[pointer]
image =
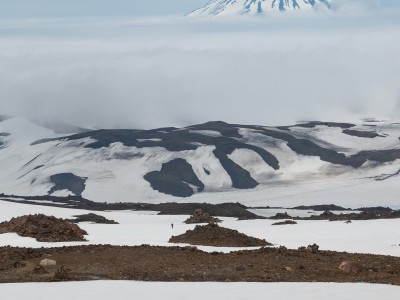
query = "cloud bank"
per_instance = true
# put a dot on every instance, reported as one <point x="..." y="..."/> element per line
<point x="153" y="72"/>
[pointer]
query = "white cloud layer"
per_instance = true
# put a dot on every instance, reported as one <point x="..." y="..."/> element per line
<point x="159" y="72"/>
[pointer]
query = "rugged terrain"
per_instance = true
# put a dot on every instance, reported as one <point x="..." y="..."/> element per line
<point x="189" y="264"/>
<point x="198" y="161"/>
<point x="216" y="236"/>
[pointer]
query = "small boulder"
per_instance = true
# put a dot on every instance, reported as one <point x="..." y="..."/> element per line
<point x="350" y="267"/>
<point x="47" y="262"/>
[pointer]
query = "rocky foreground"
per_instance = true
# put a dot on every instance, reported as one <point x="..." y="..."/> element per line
<point x="190" y="264"/>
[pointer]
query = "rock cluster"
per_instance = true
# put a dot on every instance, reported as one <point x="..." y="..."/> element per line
<point x="201" y="217"/>
<point x="214" y="235"/>
<point x="44" y="228"/>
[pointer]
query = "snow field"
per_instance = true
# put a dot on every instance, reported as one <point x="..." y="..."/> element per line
<point x="127" y="290"/>
<point x="137" y="228"/>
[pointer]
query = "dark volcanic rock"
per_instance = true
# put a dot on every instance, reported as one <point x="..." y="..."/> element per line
<point x="364" y="215"/>
<point x="362" y="134"/>
<point x="91" y="218"/>
<point x="310" y="148"/>
<point x="313" y="124"/>
<point x="213" y="235"/>
<point x="234" y="210"/>
<point x="44" y="228"/>
<point x="174" y="179"/>
<point x="231" y="139"/>
<point x="68" y="181"/>
<point x="324" y="207"/>
<point x="287" y="222"/>
<point x="376" y="209"/>
<point x="280" y="216"/>
<point x="176" y="140"/>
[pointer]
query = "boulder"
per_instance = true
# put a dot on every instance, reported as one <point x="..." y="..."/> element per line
<point x="350" y="267"/>
<point x="47" y="262"/>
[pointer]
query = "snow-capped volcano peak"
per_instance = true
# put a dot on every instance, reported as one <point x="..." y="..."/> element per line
<point x="226" y="7"/>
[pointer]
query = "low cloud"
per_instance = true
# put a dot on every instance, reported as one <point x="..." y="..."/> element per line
<point x="178" y="71"/>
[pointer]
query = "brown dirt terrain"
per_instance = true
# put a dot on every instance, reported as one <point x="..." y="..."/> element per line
<point x="44" y="228"/>
<point x="213" y="235"/>
<point x="189" y="264"/>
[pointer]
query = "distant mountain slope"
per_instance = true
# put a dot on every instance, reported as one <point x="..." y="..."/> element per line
<point x="142" y="165"/>
<point x="226" y="7"/>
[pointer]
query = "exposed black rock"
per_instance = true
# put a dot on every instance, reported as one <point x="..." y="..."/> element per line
<point x="241" y="178"/>
<point x="313" y="124"/>
<point x="234" y="210"/>
<point x="91" y="218"/>
<point x="68" y="181"/>
<point x="185" y="139"/>
<point x="287" y="222"/>
<point x="376" y="209"/>
<point x="323" y="207"/>
<point x="280" y="216"/>
<point x="174" y="179"/>
<point x="224" y="128"/>
<point x="362" y="134"/>
<point x="309" y="148"/>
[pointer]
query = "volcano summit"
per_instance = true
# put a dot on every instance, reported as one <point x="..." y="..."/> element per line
<point x="252" y="7"/>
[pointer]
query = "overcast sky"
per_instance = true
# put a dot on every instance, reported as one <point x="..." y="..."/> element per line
<point x="74" y="8"/>
<point x="115" y="66"/>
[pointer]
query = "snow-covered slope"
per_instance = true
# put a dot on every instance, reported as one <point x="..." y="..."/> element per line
<point x="227" y="7"/>
<point x="209" y="162"/>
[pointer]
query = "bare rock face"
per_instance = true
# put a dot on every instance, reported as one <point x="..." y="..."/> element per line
<point x="201" y="217"/>
<point x="44" y="228"/>
<point x="350" y="267"/>
<point x="213" y="235"/>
